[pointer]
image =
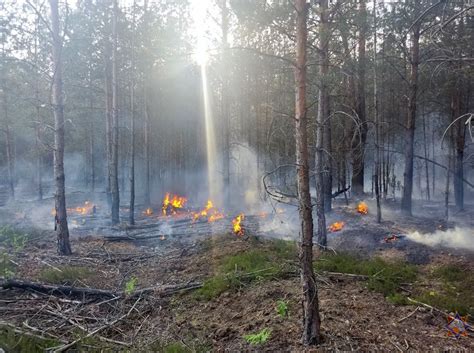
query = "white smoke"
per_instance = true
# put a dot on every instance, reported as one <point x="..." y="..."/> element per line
<point x="458" y="238"/>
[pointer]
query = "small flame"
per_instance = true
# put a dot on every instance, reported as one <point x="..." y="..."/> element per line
<point x="337" y="226"/>
<point x="148" y="211"/>
<point x="209" y="212"/>
<point x="362" y="208"/>
<point x="236" y="225"/>
<point x="87" y="208"/>
<point x="172" y="202"/>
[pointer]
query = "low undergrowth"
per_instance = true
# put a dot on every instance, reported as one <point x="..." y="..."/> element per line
<point x="382" y="276"/>
<point x="453" y="290"/>
<point x="270" y="260"/>
<point x="65" y="275"/>
<point x="13" y="342"/>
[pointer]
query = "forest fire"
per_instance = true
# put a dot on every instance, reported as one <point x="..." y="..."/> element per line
<point x="148" y="211"/>
<point x="171" y="203"/>
<point x="87" y="208"/>
<point x="237" y="226"/>
<point x="209" y="212"/>
<point x="336" y="226"/>
<point x="362" y="208"/>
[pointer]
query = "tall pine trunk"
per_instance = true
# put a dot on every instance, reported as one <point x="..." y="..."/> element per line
<point x="376" y="123"/>
<point x="311" y="320"/>
<point x="225" y="104"/>
<point x="114" y="184"/>
<point x="131" y="217"/>
<point x="61" y="226"/>
<point x="411" y="119"/>
<point x="323" y="132"/>
<point x="358" y="165"/>
<point x="323" y="108"/>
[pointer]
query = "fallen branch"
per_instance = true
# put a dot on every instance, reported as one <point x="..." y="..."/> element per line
<point x="161" y="291"/>
<point x="27" y="333"/>
<point x="97" y="330"/>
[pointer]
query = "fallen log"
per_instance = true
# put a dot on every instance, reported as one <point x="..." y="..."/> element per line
<point x="162" y="291"/>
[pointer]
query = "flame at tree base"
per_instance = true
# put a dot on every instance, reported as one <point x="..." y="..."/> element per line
<point x="237" y="226"/>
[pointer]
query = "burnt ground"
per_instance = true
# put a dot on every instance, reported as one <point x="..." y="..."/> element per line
<point x="353" y="316"/>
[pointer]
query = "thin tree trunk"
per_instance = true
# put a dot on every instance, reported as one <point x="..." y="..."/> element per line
<point x="39" y="172"/>
<point x="61" y="226"/>
<point x="311" y="320"/>
<point x="376" y="122"/>
<point x="225" y="103"/>
<point x="108" y="119"/>
<point x="323" y="108"/>
<point x="146" y="154"/>
<point x="323" y="113"/>
<point x="428" y="195"/>
<point x="114" y="185"/>
<point x="358" y="165"/>
<point x="131" y="217"/>
<point x="91" y="136"/>
<point x="410" y="126"/>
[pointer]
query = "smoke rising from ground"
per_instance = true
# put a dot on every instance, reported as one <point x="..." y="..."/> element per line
<point x="459" y="238"/>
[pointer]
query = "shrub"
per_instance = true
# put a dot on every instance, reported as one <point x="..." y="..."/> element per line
<point x="259" y="337"/>
<point x="67" y="275"/>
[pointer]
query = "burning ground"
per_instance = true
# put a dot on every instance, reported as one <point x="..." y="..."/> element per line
<point x="190" y="281"/>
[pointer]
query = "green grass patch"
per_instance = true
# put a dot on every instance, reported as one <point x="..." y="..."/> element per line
<point x="13" y="238"/>
<point x="259" y="337"/>
<point x="178" y="347"/>
<point x="14" y="342"/>
<point x="454" y="293"/>
<point x="68" y="275"/>
<point x="282" y="308"/>
<point x="383" y="276"/>
<point x="7" y="268"/>
<point x="268" y="261"/>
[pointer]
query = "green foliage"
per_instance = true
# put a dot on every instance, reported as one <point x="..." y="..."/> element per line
<point x="259" y="337"/>
<point x="398" y="299"/>
<point x="450" y="273"/>
<point x="213" y="287"/>
<point x="7" y="268"/>
<point x="455" y="293"/>
<point x="67" y="275"/>
<point x="14" y="342"/>
<point x="267" y="262"/>
<point x="178" y="347"/>
<point x="13" y="238"/>
<point x="384" y="277"/>
<point x="282" y="308"/>
<point x="131" y="285"/>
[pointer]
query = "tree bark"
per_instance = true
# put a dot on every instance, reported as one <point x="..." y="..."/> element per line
<point x="114" y="184"/>
<point x="225" y="104"/>
<point x="323" y="132"/>
<point x="358" y="165"/>
<point x="131" y="217"/>
<point x="410" y="126"/>
<point x="311" y="320"/>
<point x="376" y="123"/>
<point x="323" y="109"/>
<point x="108" y="118"/>
<point x="61" y="226"/>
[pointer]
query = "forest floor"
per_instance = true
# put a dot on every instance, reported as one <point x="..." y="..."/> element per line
<point x="373" y="294"/>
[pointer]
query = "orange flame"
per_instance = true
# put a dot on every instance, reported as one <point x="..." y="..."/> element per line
<point x="148" y="211"/>
<point x="362" y="208"/>
<point x="87" y="208"/>
<point x="337" y="226"/>
<point x="209" y="212"/>
<point x="174" y="202"/>
<point x="236" y="225"/>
